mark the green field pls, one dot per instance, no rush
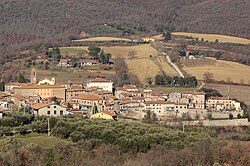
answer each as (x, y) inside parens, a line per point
(40, 139)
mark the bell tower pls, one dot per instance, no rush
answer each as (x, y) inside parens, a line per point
(33, 76)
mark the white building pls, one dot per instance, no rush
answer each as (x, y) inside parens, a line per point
(47, 82)
(1, 113)
(48, 109)
(106, 85)
(160, 107)
(4, 105)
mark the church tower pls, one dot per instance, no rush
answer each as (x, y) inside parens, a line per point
(33, 76)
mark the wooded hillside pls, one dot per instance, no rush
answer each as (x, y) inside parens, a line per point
(34, 21)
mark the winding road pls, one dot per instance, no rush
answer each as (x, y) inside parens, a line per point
(174, 65)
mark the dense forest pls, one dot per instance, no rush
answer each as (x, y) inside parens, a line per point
(29, 22)
(80, 141)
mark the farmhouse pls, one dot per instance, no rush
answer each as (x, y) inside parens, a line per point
(86, 62)
(48, 109)
(64, 62)
(148, 39)
(106, 85)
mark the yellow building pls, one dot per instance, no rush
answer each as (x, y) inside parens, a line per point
(44, 91)
(104, 115)
(148, 39)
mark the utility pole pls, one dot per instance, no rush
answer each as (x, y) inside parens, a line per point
(48, 127)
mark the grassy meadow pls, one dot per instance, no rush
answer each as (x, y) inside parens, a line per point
(142, 51)
(143, 68)
(213, 37)
(64, 75)
(222, 70)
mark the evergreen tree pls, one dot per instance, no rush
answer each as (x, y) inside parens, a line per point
(167, 36)
(21, 78)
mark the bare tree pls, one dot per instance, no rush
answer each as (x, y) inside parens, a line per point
(208, 77)
(132, 54)
(149, 81)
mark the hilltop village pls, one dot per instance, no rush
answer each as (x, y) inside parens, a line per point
(98, 98)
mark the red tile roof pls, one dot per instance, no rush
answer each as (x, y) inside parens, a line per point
(18, 96)
(119, 89)
(129, 87)
(64, 60)
(158, 102)
(40, 105)
(109, 113)
(99, 80)
(218, 98)
(40, 87)
(87, 97)
(194, 93)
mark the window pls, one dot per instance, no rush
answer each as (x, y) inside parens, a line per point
(48, 112)
(54, 111)
(61, 112)
(54, 106)
(48, 106)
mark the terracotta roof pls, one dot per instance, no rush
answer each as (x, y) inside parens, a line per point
(1, 111)
(194, 93)
(103, 92)
(75, 90)
(158, 102)
(87, 97)
(218, 98)
(18, 96)
(130, 102)
(109, 113)
(119, 89)
(40, 87)
(99, 80)
(138, 98)
(40, 105)
(4, 94)
(57, 98)
(129, 87)
(43, 104)
(64, 60)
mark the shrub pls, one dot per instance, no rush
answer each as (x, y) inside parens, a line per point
(231, 116)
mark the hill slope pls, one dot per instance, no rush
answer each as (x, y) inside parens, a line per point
(30, 21)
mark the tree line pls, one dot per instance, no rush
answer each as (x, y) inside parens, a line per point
(164, 80)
